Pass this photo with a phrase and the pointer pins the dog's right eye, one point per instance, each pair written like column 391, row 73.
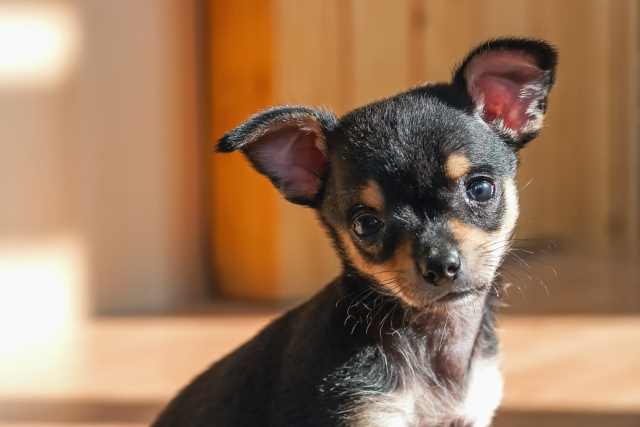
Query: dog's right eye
column 367, row 225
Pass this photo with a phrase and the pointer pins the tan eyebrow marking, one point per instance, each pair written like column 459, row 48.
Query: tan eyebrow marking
column 371, row 195
column 457, row 166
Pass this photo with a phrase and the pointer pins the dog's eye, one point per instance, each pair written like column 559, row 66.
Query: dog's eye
column 367, row 225
column 481, row 189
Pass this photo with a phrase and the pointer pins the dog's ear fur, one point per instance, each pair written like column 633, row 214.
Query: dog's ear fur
column 289, row 146
column 508, row 81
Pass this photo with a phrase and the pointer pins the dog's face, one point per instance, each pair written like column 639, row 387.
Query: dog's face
column 418, row 190
column 421, row 197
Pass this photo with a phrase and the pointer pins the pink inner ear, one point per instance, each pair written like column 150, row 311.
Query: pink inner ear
column 501, row 101
column 293, row 156
column 504, row 83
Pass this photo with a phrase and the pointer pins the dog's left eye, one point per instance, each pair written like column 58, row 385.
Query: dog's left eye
column 481, row 189
column 367, row 225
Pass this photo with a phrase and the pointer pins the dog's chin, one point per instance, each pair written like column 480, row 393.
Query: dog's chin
column 446, row 297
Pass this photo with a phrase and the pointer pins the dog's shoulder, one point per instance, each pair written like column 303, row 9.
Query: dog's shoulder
column 241, row 388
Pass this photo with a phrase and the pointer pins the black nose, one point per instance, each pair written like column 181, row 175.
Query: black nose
column 442, row 263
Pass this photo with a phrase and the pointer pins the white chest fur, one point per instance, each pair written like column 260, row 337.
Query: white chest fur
column 420, row 406
column 484, row 393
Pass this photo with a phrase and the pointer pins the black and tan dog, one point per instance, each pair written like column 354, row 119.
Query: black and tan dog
column 418, row 193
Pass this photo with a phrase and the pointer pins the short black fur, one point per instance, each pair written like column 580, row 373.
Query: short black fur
column 373, row 340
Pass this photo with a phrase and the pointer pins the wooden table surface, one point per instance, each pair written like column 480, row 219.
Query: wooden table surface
column 120, row 371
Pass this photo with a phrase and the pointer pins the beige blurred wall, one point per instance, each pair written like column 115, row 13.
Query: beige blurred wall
column 108, row 153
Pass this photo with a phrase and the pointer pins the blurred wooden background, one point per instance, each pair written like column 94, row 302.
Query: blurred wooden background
column 579, row 180
column 106, row 194
column 124, row 140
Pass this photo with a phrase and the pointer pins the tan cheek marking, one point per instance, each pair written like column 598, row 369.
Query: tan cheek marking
column 352, row 252
column 467, row 235
column 470, row 238
column 401, row 264
column 457, row 166
column 396, row 274
column 512, row 209
column 371, row 196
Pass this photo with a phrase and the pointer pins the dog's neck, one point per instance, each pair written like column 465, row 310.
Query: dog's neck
column 440, row 342
column 452, row 336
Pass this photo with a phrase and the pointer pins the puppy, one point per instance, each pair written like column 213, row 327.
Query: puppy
column 418, row 194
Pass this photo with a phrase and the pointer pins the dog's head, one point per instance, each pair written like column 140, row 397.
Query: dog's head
column 418, row 190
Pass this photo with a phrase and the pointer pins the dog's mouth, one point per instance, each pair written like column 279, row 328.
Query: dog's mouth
column 459, row 295
column 420, row 293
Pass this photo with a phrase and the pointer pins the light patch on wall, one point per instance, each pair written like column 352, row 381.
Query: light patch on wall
column 42, row 307
column 38, row 43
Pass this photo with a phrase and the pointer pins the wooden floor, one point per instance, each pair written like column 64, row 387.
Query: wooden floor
column 119, row 372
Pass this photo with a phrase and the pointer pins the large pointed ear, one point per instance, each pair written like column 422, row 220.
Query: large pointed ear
column 289, row 146
column 508, row 81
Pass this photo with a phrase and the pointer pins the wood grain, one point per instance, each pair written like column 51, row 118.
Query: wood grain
column 307, row 71
column 242, row 203
column 552, row 364
column 381, row 64
column 578, row 180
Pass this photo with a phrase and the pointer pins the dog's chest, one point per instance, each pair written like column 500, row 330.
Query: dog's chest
column 420, row 406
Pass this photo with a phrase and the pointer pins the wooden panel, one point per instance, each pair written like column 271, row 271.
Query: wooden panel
column 569, row 194
column 307, row 70
column 578, row 179
column 446, row 44
column 308, row 54
column 578, row 175
column 243, row 205
column 381, row 65
column 623, row 111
